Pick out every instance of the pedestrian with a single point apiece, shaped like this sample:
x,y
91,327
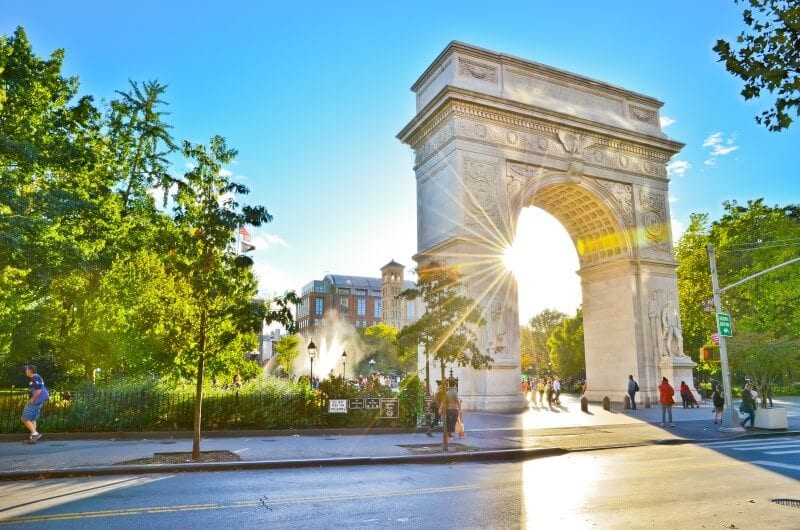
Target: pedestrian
x,y
548,390
525,388
557,391
748,405
37,395
436,404
685,394
633,387
718,399
769,394
452,412
665,398
540,389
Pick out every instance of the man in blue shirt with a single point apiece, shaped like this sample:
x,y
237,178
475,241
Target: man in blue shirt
x,y
37,395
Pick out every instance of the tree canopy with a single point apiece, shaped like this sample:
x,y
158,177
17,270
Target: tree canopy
x,y
534,337
567,350
768,58
109,258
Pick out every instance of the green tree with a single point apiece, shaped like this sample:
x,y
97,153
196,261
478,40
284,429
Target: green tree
x,y
286,351
207,215
379,341
534,337
446,329
768,58
765,359
567,352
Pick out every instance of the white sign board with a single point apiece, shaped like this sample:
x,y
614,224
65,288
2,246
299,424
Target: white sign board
x,y
337,406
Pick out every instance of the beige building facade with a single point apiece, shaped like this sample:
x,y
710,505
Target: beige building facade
x,y
494,134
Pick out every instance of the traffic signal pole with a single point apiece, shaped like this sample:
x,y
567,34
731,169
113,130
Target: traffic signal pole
x,y
730,421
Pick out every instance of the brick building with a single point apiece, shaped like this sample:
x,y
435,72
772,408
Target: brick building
x,y
358,300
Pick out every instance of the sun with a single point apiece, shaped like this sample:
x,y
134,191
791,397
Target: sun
x,y
514,260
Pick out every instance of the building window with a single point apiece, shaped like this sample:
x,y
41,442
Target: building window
x,y
410,311
378,307
319,306
344,301
343,290
375,293
360,292
361,308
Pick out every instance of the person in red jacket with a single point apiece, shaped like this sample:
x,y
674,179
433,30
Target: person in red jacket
x,y
686,395
665,393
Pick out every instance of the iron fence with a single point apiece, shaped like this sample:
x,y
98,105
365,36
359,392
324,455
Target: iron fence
x,y
144,410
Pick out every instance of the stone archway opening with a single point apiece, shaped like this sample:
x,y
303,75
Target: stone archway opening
x,y
494,134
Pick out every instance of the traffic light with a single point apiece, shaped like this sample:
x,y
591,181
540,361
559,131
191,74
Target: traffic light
x,y
709,353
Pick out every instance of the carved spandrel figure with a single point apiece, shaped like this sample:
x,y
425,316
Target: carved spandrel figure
x,y
673,338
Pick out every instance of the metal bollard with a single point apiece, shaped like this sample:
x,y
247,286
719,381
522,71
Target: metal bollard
x,y
626,402
647,402
606,403
584,404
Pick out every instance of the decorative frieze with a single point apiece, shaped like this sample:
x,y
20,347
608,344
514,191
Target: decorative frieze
x,y
494,128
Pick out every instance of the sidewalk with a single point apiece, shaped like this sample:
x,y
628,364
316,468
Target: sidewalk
x,y
536,432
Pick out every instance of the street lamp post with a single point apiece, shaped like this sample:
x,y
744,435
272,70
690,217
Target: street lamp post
x,y
344,365
372,365
312,352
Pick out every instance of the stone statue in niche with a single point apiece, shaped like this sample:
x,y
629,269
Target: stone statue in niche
x,y
673,338
654,309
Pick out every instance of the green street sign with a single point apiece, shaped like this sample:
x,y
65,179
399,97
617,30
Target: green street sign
x,y
724,325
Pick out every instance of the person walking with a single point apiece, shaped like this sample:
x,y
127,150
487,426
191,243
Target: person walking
x,y
436,404
525,388
37,395
453,410
557,391
665,398
748,405
540,389
633,387
718,399
685,394
548,390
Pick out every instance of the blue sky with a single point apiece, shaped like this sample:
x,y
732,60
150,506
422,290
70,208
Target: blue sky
x,y
312,95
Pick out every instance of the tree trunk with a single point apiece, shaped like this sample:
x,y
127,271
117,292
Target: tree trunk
x,y
198,396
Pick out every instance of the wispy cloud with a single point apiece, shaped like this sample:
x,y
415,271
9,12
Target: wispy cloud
x,y
672,199
678,168
666,121
225,173
719,146
267,241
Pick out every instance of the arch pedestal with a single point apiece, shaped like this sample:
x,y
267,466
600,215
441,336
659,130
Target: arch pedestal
x,y
494,134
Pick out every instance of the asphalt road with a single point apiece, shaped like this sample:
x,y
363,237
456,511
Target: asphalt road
x,y
684,486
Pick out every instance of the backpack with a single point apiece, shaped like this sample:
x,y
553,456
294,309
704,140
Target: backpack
x,y
635,386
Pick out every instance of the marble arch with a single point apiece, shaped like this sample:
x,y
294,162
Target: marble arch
x,y
494,134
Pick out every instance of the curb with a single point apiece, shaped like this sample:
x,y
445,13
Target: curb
x,y
505,455
165,435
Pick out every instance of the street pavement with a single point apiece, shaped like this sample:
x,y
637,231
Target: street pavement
x,y
539,431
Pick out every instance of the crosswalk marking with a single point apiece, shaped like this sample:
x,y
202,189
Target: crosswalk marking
x,y
775,464
751,443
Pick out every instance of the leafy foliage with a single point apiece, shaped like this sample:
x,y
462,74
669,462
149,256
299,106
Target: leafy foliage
x,y
768,58
534,337
446,329
567,353
747,240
